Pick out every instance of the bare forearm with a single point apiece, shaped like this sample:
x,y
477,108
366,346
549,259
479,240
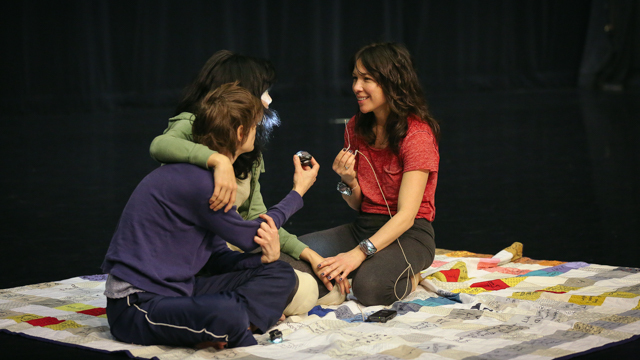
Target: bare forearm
x,y
395,227
310,256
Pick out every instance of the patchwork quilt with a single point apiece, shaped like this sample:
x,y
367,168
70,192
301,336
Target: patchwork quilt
x,y
469,306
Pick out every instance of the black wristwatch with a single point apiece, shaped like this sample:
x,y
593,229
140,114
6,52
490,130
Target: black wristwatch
x,y
344,189
367,247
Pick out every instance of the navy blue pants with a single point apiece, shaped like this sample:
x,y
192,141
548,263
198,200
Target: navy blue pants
x,y
221,309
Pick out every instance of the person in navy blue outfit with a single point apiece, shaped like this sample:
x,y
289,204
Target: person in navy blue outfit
x,y
167,234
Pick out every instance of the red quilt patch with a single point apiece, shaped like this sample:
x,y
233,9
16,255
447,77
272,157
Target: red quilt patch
x,y
94,311
452,275
45,321
492,285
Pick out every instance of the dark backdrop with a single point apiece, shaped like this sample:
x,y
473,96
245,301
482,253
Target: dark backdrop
x,y
87,84
525,155
96,55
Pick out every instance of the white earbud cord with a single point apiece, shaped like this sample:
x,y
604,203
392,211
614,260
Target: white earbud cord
x,y
409,268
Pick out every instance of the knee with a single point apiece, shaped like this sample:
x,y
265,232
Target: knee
x,y
305,297
229,323
282,272
370,291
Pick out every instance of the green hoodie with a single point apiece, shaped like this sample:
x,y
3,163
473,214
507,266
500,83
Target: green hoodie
x,y
176,145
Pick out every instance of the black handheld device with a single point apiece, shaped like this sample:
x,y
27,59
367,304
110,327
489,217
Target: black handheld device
x,y
305,158
382,315
275,336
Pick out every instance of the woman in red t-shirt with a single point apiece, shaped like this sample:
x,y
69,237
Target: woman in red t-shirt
x,y
389,172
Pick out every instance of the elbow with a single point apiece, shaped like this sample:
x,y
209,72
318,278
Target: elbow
x,y
407,220
248,247
155,147
408,223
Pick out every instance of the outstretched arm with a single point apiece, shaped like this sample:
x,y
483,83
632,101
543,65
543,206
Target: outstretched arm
x,y
235,230
289,243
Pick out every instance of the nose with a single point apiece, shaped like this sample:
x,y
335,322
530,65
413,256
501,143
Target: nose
x,y
357,85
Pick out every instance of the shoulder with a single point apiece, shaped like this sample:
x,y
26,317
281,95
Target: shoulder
x,y
179,174
187,116
418,127
182,118
419,133
416,124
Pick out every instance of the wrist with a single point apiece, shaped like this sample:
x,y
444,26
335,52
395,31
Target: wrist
x,y
357,252
308,255
300,192
351,183
367,248
216,159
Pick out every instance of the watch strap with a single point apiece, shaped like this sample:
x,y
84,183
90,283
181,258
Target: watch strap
x,y
367,247
344,189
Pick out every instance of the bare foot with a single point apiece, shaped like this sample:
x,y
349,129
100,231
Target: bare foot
x,y
415,281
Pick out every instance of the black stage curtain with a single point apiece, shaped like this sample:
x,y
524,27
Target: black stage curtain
x,y
96,55
611,58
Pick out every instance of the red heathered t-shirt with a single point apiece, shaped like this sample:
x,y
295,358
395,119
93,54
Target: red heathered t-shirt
x,y
417,151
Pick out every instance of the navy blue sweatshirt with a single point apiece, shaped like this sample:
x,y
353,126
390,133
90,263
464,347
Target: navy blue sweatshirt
x,y
167,232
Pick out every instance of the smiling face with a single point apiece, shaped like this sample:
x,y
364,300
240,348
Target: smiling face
x,y
370,95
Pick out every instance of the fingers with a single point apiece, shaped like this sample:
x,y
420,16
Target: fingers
x,y
344,162
296,162
223,195
345,287
315,165
326,283
269,221
260,241
232,201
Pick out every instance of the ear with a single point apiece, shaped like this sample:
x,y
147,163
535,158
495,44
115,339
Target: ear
x,y
240,134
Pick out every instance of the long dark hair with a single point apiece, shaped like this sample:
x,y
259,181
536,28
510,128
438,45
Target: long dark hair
x,y
254,74
391,66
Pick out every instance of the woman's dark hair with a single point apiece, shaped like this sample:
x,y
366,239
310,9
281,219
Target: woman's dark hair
x,y
220,115
254,74
391,67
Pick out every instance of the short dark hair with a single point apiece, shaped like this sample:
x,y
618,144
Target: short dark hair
x,y
391,66
221,113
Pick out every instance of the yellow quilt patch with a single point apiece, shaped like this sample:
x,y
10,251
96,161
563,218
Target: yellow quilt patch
x,y
513,281
69,324
25,317
587,300
75,307
526,295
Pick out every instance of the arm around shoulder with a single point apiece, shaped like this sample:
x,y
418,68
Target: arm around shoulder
x,y
176,145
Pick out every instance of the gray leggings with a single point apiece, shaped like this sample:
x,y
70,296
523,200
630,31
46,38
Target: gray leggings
x,y
373,282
